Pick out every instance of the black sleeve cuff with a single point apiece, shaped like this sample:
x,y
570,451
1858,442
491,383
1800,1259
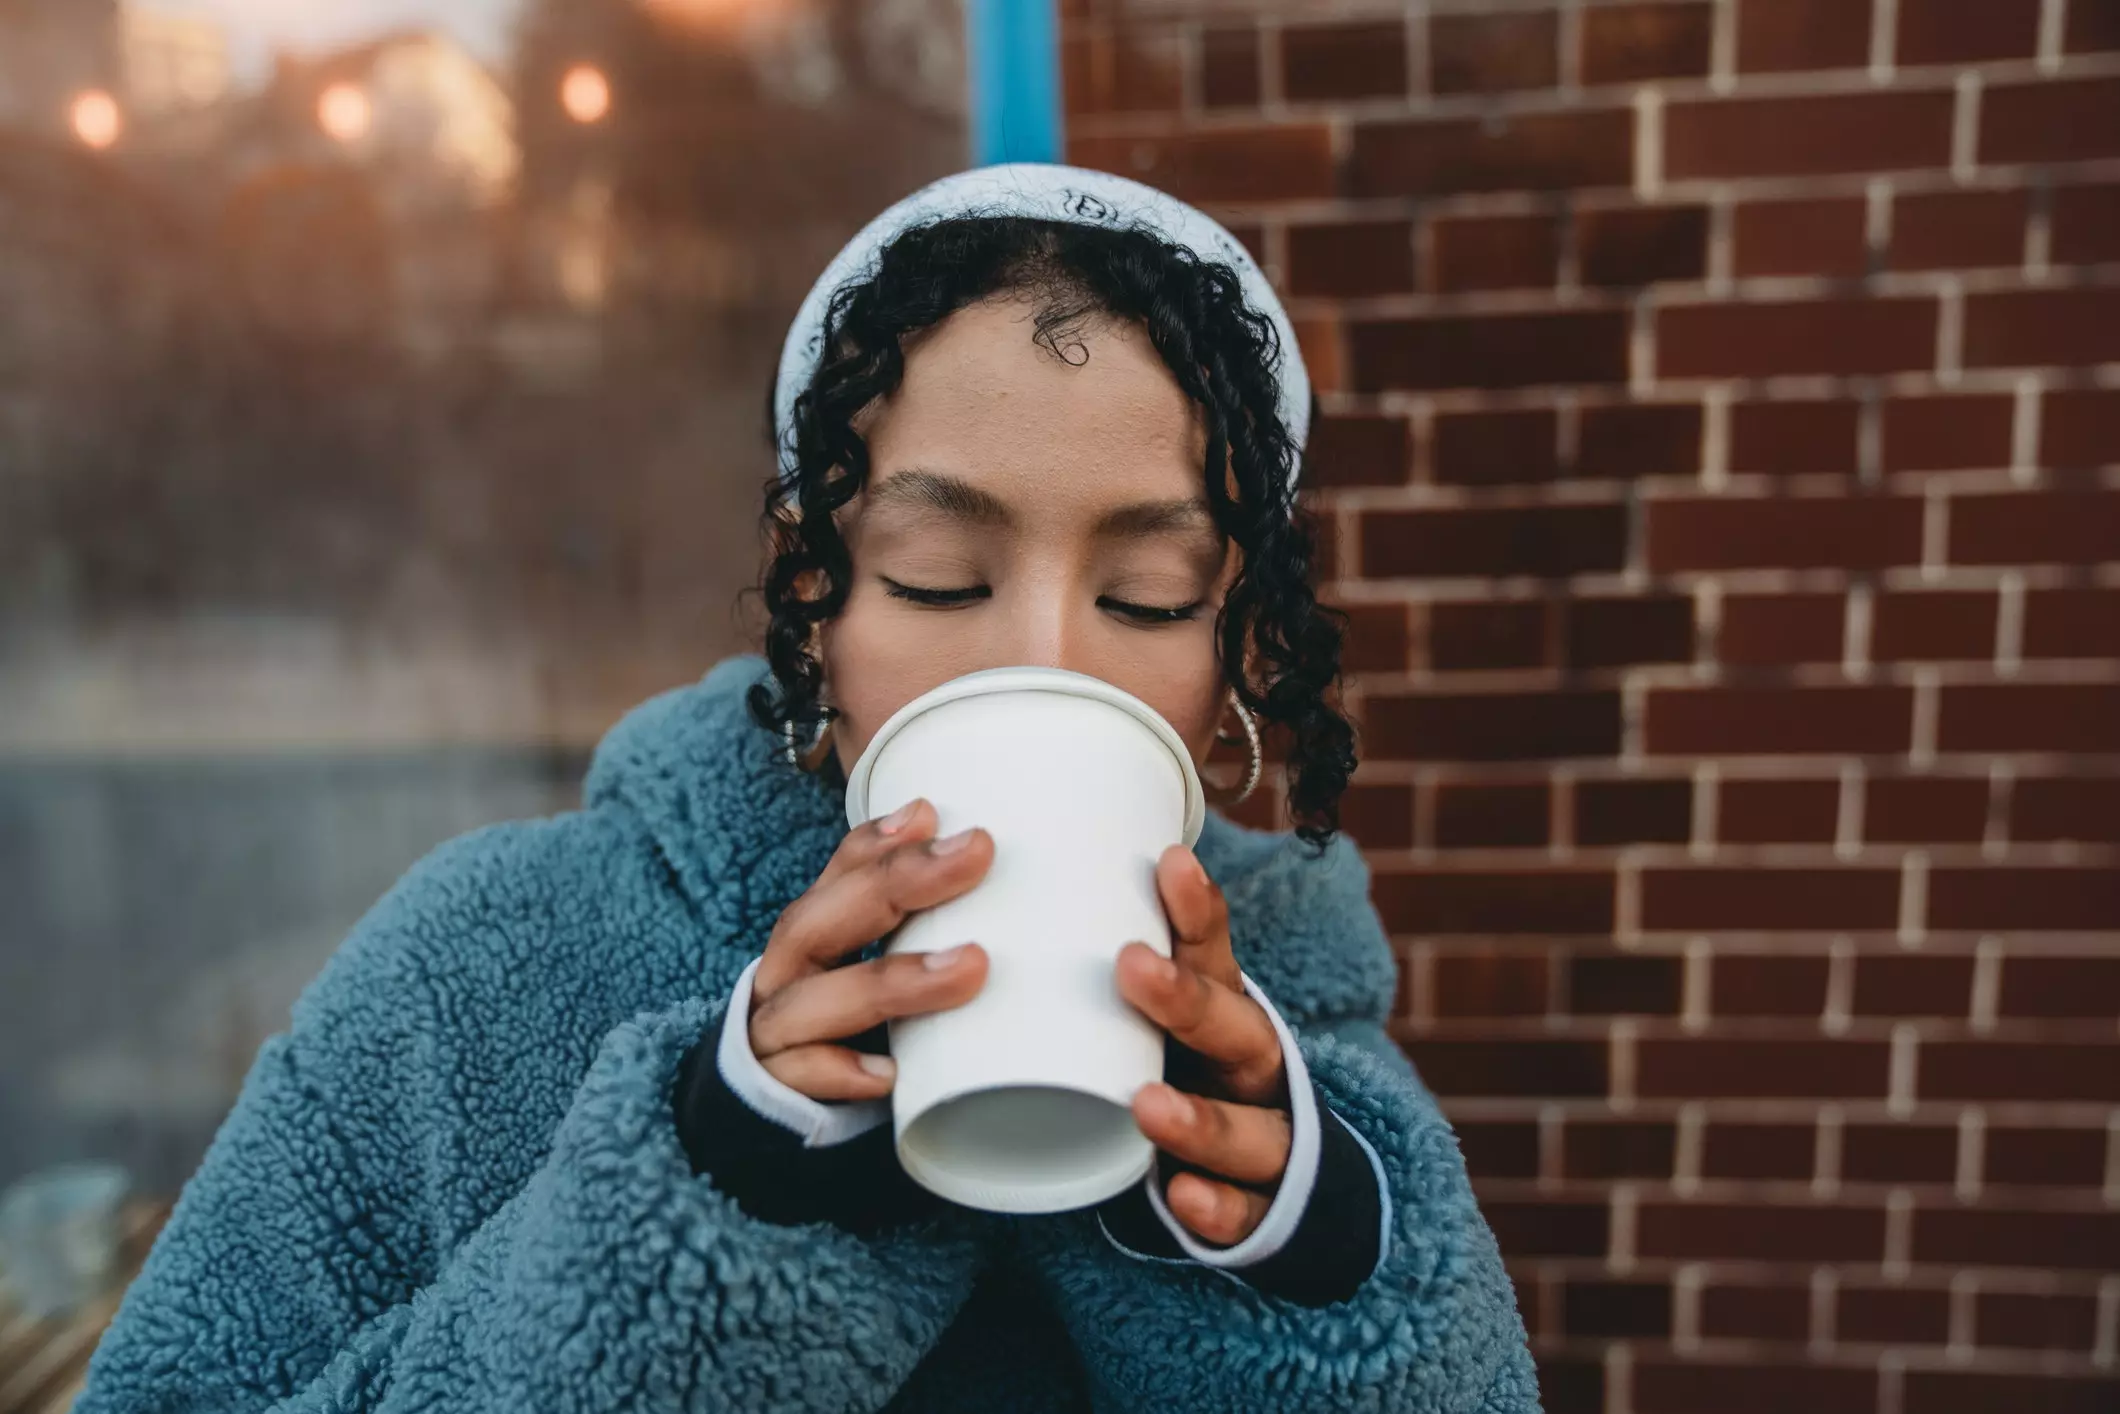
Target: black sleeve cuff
x,y
764,1168
1334,1248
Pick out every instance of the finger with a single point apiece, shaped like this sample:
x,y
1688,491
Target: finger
x,y
830,1006
844,913
1242,1142
1225,1026
911,823
833,1072
1199,916
1216,1211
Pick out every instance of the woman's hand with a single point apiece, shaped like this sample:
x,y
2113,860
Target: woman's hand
x,y
1235,1122
801,1004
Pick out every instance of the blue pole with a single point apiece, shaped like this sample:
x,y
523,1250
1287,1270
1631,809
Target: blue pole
x,y
1014,52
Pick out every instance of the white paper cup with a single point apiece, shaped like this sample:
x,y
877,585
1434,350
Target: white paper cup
x,y
1020,1100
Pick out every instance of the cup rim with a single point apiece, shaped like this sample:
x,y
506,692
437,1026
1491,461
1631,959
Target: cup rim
x,y
987,681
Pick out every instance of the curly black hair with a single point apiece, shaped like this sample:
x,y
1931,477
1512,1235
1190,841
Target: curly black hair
x,y
1222,354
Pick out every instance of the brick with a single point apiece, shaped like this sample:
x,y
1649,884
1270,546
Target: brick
x,y
1959,230
1491,816
1350,258
1803,34
2047,1071
2030,717
1376,638
1616,1309
1325,541
1534,1229
2022,1320
1229,68
2085,808
1378,816
1489,984
1548,542
1740,1232
1776,1313
1467,902
2080,427
2064,899
2085,225
1625,985
1291,162
1925,810
1641,245
1489,351
1812,135
1898,1153
1813,236
1913,985
2045,1157
1605,1149
1634,43
1493,53
1759,1151
1489,634
1777,812
1767,984
1768,899
1952,433
1748,1069
1869,720
1532,726
1951,32
1318,337
1555,1068
2050,120
1769,629
1123,73
1495,253
1638,439
1633,812
1495,448
1499,1148
2022,328
2002,1238
1571,1384
2072,623
2035,527
1500,152
1964,1392
1945,626
1614,633
1321,63
1357,449
1670,1385
1892,1315
2092,26
1838,336
1812,532
1794,438
2061,987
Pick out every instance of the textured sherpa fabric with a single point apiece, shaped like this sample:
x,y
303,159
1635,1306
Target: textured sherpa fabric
x,y
454,1183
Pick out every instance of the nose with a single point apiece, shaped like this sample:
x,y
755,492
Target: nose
x,y
1044,632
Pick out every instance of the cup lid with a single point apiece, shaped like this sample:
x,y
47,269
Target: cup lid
x,y
1030,679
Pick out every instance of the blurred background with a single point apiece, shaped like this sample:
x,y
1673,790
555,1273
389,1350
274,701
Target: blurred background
x,y
1719,455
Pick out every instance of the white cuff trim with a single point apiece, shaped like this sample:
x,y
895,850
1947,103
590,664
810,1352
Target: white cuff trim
x,y
1293,1197
821,1125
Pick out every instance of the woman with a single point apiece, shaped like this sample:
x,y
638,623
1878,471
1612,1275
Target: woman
x,y
586,1114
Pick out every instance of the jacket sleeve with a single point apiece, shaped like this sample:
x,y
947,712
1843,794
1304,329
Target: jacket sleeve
x,y
338,1251
1434,1329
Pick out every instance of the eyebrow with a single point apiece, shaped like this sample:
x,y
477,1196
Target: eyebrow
x,y
934,491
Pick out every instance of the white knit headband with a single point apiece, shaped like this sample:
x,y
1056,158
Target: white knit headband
x,y
1052,193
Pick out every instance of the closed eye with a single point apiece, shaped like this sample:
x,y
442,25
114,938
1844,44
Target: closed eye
x,y
1149,613
937,598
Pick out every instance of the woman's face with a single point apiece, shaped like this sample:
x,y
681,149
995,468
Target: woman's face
x,y
1022,508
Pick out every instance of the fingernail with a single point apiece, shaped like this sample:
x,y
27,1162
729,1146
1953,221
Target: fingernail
x,y
948,957
1166,970
898,819
950,844
1199,870
882,1067
1179,1106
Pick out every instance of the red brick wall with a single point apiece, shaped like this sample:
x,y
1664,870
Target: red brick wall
x,y
1723,411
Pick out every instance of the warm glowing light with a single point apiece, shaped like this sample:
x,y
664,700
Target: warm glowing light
x,y
96,118
344,112
585,93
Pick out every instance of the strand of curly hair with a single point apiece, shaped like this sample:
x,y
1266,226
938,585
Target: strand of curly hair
x,y
1279,647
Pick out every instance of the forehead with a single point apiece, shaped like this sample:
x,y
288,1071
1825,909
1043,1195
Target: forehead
x,y
1088,417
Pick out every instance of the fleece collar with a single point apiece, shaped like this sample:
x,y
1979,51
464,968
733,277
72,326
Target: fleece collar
x,y
743,834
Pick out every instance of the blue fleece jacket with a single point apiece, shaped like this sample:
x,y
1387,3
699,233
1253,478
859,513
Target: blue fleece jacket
x,y
454,1182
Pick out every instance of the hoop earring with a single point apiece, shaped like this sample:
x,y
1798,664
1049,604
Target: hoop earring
x,y
797,754
1250,739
